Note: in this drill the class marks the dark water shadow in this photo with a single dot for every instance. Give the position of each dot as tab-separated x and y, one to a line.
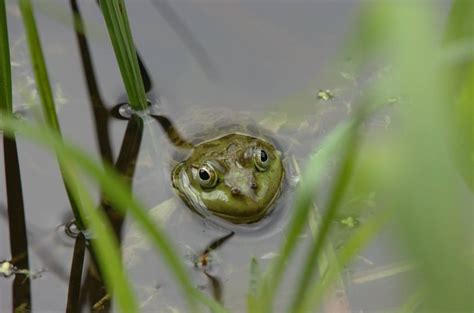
21	295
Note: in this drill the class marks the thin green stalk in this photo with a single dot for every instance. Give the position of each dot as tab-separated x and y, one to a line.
314	294
120	197
39	66
5	67
304	198
337	192
43	86
115	15
105	245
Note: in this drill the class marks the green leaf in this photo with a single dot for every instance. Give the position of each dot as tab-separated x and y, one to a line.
5	67
115	15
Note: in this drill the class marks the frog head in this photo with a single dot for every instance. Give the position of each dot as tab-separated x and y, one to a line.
236	177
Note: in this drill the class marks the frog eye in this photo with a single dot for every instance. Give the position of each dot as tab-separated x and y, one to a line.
207	176
261	159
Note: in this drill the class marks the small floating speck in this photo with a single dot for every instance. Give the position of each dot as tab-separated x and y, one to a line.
349	221
325	95
7	269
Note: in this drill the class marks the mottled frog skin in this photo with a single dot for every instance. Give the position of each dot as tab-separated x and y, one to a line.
236	177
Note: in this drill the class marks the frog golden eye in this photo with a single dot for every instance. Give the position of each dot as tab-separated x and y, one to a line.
207	176
261	159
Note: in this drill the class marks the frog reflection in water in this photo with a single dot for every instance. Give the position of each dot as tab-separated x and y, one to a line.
236	177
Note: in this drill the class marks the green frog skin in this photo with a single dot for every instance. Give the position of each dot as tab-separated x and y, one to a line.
235	177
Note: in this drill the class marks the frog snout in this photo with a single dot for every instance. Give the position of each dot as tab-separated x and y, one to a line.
238	190
235	191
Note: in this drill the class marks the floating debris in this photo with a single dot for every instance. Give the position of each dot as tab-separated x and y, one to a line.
7	269
325	95
349	221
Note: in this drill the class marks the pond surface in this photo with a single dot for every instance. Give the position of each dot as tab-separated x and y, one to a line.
248	58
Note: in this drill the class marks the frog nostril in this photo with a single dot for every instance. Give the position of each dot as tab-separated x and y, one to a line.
253	185
235	191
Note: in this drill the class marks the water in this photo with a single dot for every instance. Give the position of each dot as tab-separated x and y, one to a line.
247	57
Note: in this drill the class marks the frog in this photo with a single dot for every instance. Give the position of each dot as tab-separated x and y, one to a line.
236	177
231	169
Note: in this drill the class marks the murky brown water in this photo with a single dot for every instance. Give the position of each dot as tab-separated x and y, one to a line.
247	57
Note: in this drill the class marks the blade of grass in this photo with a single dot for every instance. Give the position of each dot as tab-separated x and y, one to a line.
337	139
314	294
43	85
105	245
328	256
426	193
5	67
116	18
423	209
337	191
460	29
119	196
304	197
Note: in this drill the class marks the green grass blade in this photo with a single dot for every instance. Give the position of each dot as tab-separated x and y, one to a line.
314	294
424	210
39	66
104	243
460	29
5	67
430	201
119	196
304	198
43	86
337	191
459	24
104	246
115	15
463	133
